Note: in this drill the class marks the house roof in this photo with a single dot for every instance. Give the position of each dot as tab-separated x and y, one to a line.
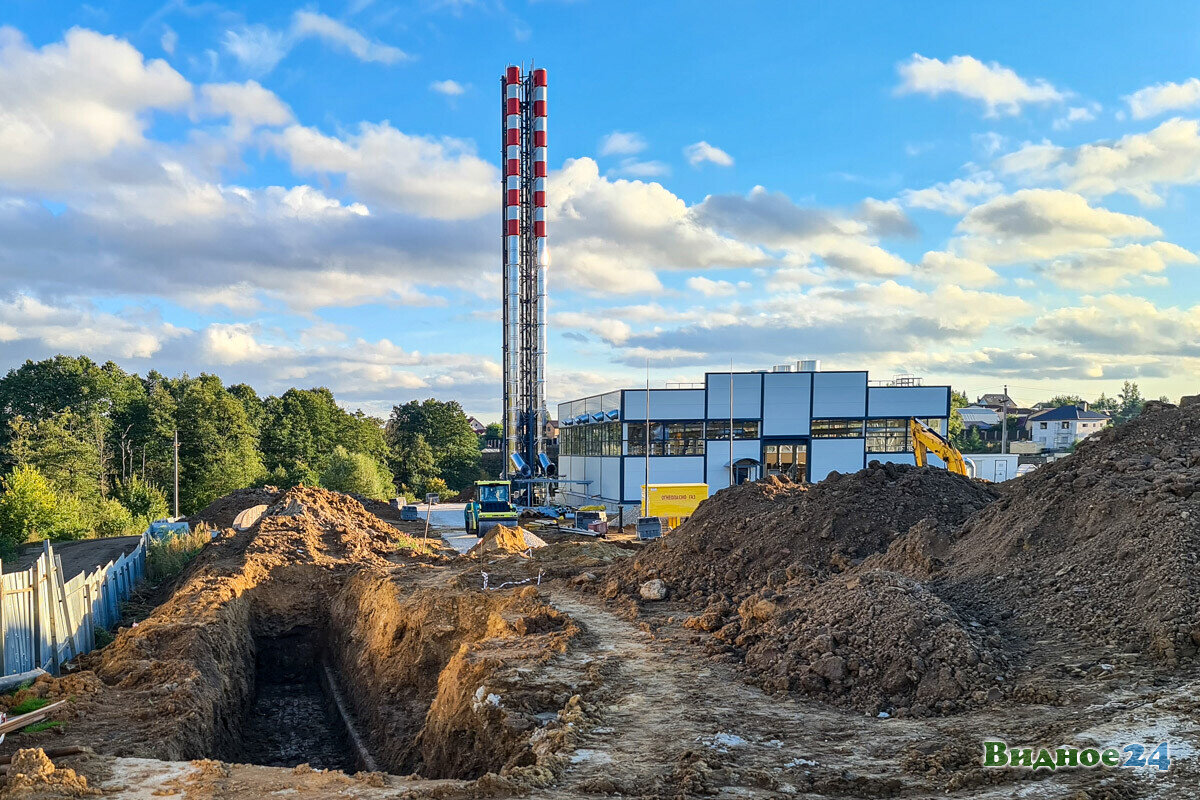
1067	412
996	399
978	415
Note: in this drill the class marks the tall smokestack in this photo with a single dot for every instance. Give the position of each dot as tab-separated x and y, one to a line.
525	259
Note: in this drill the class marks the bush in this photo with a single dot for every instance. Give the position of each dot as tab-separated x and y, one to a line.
111	518
167	557
75	519
356	473
145	501
435	486
28	508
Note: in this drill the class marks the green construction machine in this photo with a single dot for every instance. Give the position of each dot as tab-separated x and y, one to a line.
491	506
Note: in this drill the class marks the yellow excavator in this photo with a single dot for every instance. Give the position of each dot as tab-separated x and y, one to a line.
926	440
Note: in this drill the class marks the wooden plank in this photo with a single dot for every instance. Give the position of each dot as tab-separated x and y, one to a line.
69	631
35	616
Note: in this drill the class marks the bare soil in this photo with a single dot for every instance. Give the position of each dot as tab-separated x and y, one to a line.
857	639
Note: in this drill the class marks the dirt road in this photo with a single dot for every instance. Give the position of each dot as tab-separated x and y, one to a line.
77	557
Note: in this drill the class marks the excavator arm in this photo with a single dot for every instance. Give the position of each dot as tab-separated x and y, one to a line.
926	440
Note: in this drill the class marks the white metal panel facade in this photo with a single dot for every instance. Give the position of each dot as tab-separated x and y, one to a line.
839	394
827	455
716	453
747	395
908	401
663	469
665	404
786	403
610	478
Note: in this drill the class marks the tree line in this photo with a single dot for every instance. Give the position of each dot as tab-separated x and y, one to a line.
87	449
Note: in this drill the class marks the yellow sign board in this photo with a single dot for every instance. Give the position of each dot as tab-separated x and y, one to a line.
673	499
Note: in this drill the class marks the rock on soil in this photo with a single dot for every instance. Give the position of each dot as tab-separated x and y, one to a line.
1101	546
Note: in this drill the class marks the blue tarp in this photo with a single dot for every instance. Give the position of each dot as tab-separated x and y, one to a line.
161	529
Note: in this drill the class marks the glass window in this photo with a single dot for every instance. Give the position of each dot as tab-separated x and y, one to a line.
887	436
837	428
786	458
742	429
667	438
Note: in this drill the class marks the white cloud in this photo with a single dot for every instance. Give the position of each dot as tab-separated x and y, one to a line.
1036	224
1000	89
701	152
947	268
612	235
1163	97
248	105
710	288
231	344
1106	267
1123	324
438	178
954	197
25	319
633	168
1140	165
448	87
1076	114
75	102
259	49
168	41
622	143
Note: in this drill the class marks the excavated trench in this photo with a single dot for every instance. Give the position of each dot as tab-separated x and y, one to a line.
363	675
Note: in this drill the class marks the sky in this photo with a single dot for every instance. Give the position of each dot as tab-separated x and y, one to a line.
308	195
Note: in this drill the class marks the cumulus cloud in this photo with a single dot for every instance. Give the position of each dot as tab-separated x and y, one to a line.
710	288
701	152
75	102
1163	97
1106	267
441	178
1035	224
613	235
248	105
1123	325
634	168
259	49
622	143
27	322
1139	165
999	88
448	87
954	197
1076	114
942	267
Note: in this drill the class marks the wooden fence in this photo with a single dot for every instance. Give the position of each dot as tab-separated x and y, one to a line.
46	621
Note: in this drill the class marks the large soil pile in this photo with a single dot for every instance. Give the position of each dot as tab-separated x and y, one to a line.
1102	545
773	531
221	513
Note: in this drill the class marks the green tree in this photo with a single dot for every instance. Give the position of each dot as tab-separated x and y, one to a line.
973	442
145	501
28	508
66	447
1060	400
111	518
303	426
1131	402
357	473
411	461
955	425
256	411
218	449
1105	403
444	426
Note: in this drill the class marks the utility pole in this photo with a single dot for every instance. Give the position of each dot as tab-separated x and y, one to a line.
176	473
1004	422
731	477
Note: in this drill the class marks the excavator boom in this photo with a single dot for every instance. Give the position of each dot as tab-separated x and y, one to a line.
926	441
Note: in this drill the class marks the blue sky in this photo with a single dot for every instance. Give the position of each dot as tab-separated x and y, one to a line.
306	194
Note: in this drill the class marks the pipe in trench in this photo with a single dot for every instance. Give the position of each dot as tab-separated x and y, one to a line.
339	702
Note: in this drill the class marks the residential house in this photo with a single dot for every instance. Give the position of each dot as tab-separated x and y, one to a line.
1060	428
478	427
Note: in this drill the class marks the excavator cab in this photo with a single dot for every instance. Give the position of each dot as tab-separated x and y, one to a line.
926	440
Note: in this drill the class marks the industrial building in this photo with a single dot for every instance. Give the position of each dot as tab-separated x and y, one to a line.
795	420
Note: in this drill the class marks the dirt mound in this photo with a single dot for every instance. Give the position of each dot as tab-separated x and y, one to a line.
503	539
772	531
221	513
876	641
31	775
1101	546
